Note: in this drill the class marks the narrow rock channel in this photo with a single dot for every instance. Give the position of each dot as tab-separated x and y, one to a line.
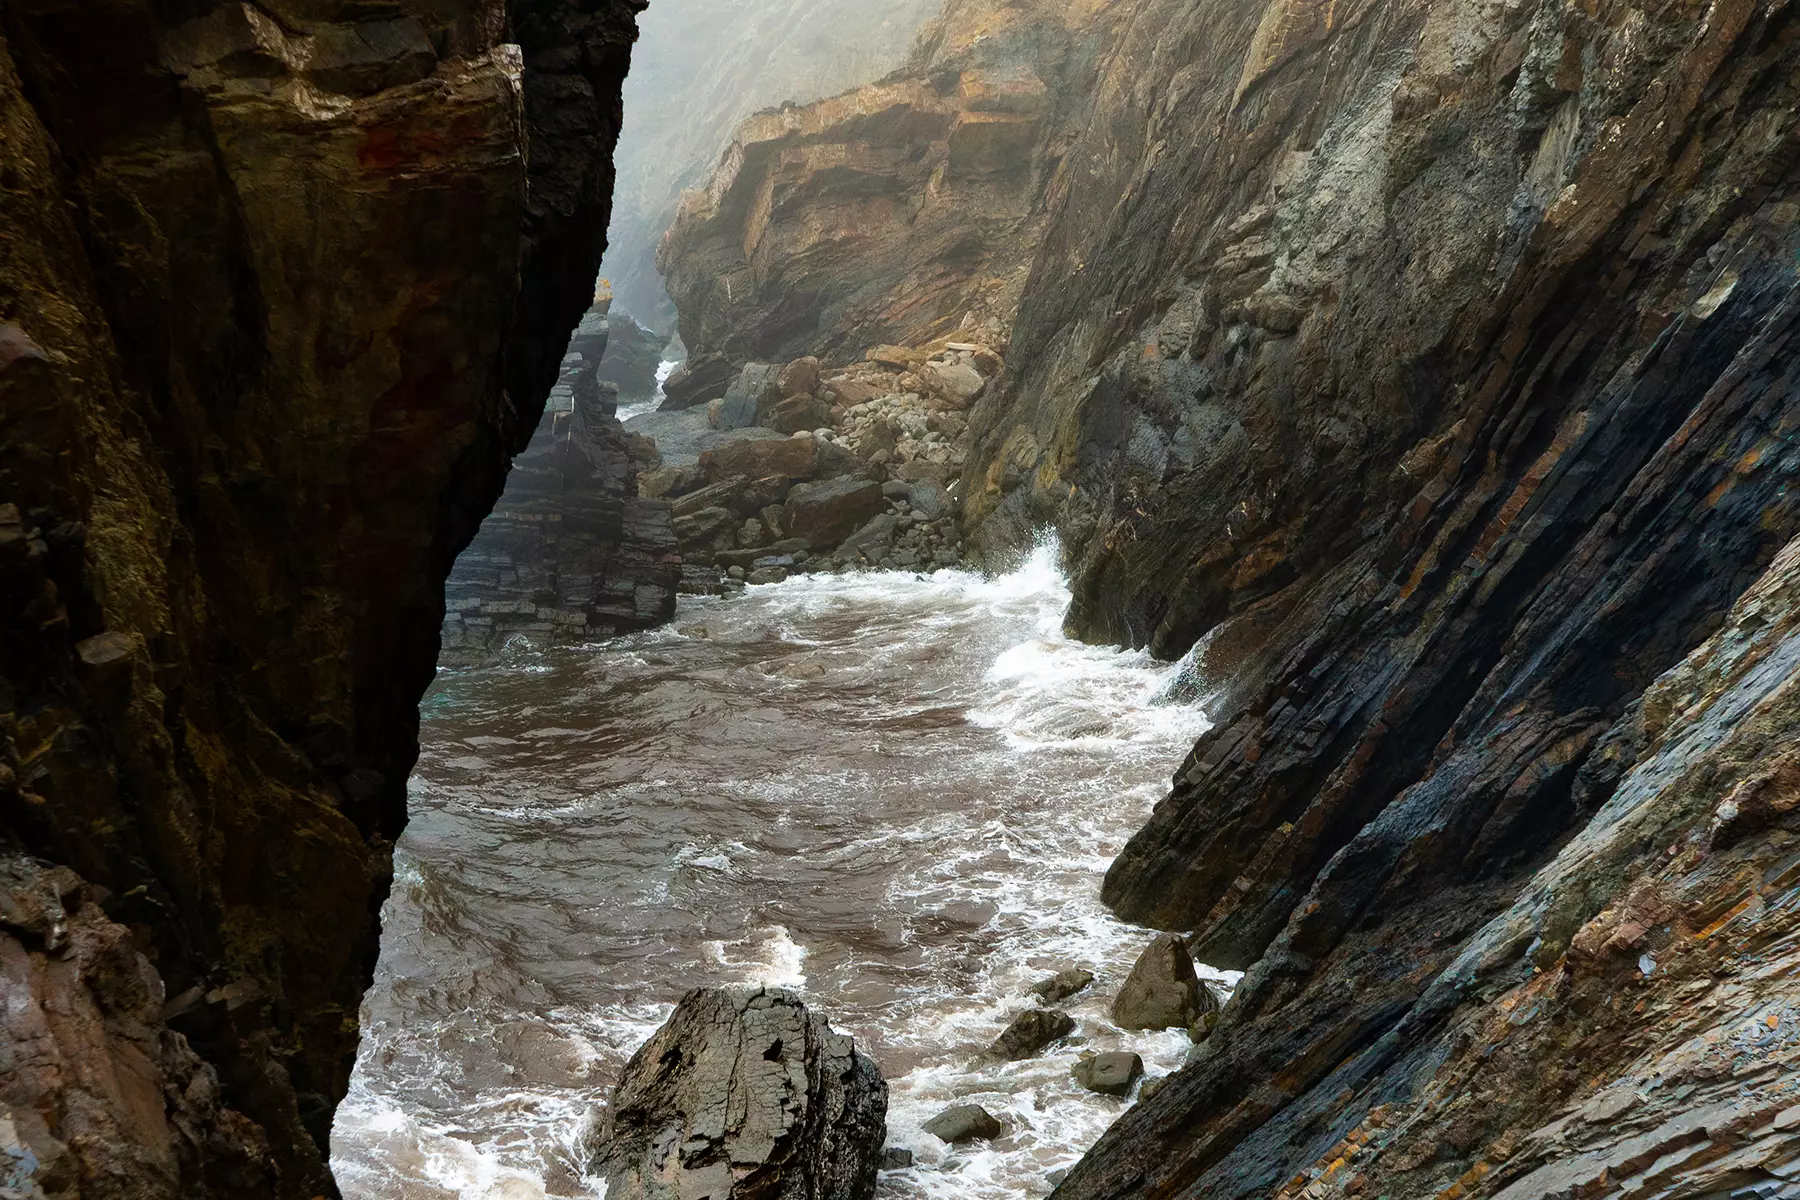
892	793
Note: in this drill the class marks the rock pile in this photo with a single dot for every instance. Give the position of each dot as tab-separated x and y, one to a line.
743	1093
815	468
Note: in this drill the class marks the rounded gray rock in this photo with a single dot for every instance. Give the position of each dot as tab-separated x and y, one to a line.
964	1123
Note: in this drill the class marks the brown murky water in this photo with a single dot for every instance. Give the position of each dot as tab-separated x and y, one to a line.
893	793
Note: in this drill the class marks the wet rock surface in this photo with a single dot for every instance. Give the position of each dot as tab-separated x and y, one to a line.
1063	984
964	1123
278	304
743	1093
1030	1032
1110	1074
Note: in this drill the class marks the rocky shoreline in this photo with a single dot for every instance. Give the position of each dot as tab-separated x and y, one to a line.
800	468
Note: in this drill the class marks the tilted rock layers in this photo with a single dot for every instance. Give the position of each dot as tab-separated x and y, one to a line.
1436	365
282	288
897	212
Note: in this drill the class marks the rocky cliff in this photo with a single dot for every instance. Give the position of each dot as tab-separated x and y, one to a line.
1427	370
705	65
1431	367
571	553
283	287
899	212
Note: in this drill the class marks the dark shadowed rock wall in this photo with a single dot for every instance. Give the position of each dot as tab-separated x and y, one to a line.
282	289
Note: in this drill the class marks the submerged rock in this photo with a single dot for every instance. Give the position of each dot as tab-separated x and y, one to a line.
1030	1032
1162	991
743	1093
964	1123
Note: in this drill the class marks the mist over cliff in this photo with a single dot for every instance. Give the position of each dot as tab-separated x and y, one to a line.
702	66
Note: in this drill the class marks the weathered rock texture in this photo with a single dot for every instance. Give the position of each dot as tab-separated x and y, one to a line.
1627	1026
705	65
900	211
743	1093
571	553
1437	365
282	288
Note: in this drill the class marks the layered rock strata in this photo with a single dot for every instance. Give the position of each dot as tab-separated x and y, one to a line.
1441	383
1430	370
901	211
571	553
283	288
743	1093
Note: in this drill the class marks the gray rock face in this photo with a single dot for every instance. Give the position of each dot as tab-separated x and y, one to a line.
755	389
1110	1074
743	1093
964	1123
1162	991
1030	1032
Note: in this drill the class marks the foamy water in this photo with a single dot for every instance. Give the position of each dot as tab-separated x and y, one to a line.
896	794
638	408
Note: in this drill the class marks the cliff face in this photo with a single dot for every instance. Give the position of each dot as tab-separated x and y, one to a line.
756	53
284	287
1435	365
898	212
1430	367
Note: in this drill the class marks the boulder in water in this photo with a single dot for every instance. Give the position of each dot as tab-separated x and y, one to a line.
1030	1032
1110	1074
743	1093
1162	991
1063	984
964	1123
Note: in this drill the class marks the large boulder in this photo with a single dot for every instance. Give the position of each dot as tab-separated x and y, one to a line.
800	377
1162	991
796	413
826	513
696	381
797	458
755	390
955	382
1030	1032
742	1093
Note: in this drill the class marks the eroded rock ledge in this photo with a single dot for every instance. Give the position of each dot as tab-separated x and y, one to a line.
899	212
284	286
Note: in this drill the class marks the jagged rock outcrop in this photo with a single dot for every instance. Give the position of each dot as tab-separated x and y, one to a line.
901	211
571	553
283	287
743	1093
1436	368
1626	1026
